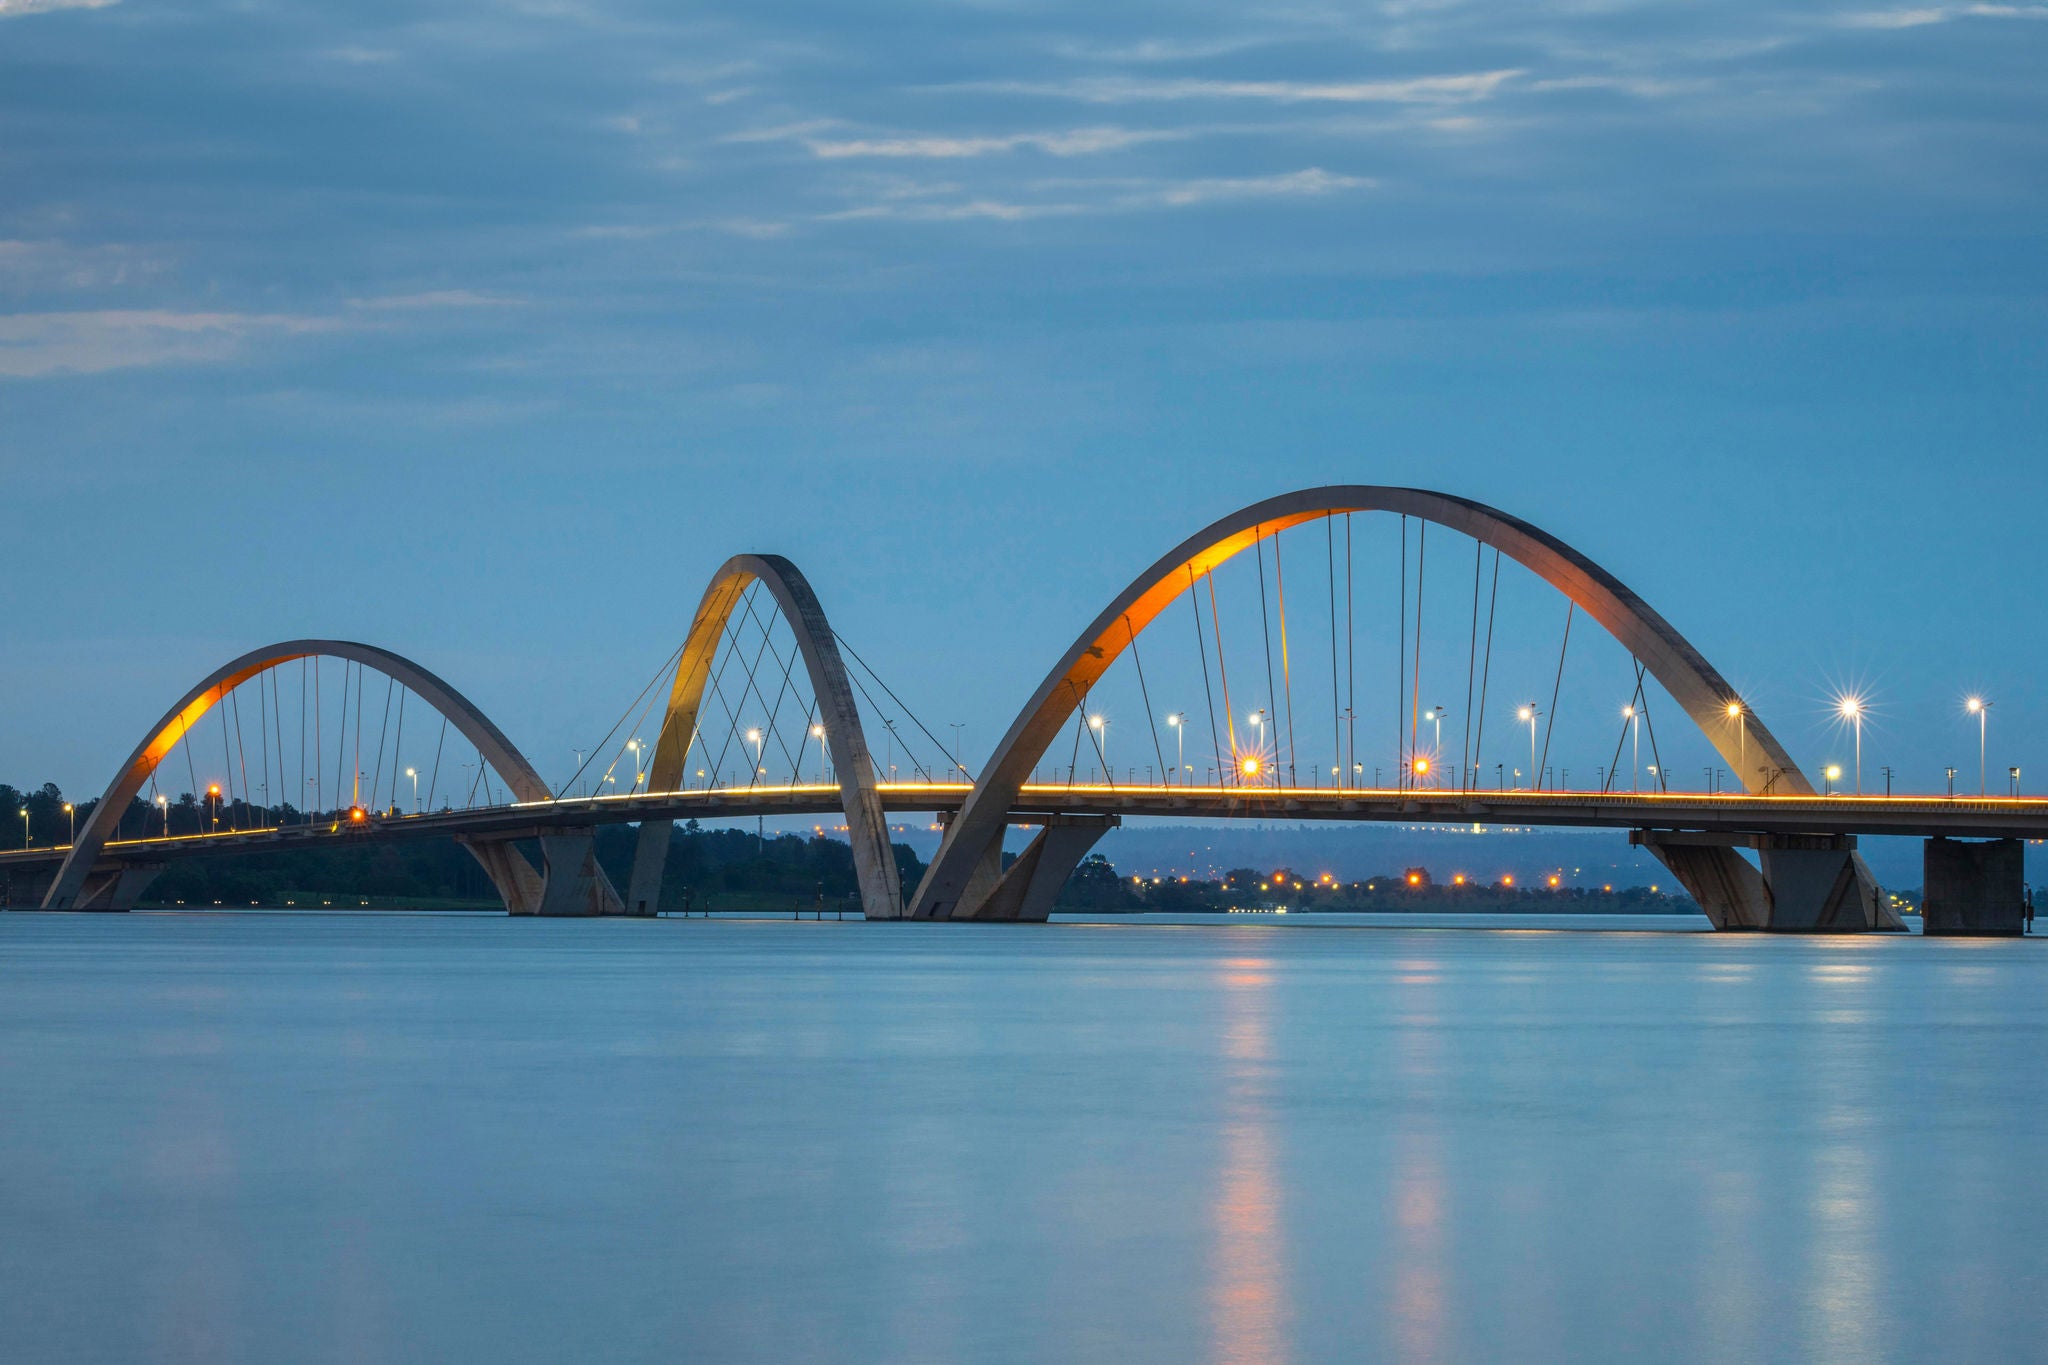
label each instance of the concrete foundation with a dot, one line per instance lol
(1807, 884)
(1026, 891)
(569, 883)
(1975, 889)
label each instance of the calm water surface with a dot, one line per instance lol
(403, 1138)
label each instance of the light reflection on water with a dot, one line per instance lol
(256, 1138)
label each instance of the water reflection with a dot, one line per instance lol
(1247, 1296)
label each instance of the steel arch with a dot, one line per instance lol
(961, 873)
(497, 750)
(867, 827)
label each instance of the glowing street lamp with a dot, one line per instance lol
(1528, 713)
(1852, 710)
(414, 774)
(1981, 709)
(213, 794)
(1833, 774)
(1737, 714)
(24, 827)
(754, 738)
(1180, 754)
(163, 803)
(639, 773)
(1628, 713)
(818, 733)
(74, 821)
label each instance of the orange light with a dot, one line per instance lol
(1458, 879)
(213, 790)
(1250, 766)
(1414, 879)
(357, 814)
(1553, 881)
(1508, 879)
(1421, 765)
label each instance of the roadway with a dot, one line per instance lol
(1912, 816)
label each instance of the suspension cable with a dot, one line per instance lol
(1471, 660)
(1222, 672)
(1202, 649)
(1415, 697)
(1336, 699)
(1485, 673)
(883, 683)
(1286, 665)
(1349, 763)
(1265, 623)
(1549, 725)
(434, 782)
(1145, 695)
(1401, 666)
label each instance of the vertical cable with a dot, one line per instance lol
(1286, 664)
(1336, 699)
(1222, 671)
(1350, 760)
(1485, 670)
(1415, 698)
(1401, 666)
(1145, 694)
(1551, 724)
(1266, 627)
(1202, 648)
(1471, 662)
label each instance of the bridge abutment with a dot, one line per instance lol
(1026, 890)
(1806, 884)
(569, 883)
(1976, 889)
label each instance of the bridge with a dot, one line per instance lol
(1771, 851)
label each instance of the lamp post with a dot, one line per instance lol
(414, 774)
(1528, 713)
(818, 733)
(24, 827)
(68, 810)
(1981, 709)
(163, 804)
(754, 738)
(1852, 710)
(213, 796)
(1635, 761)
(959, 729)
(1180, 748)
(1829, 776)
(1737, 714)
(1101, 729)
(639, 772)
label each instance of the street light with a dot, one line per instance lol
(1180, 755)
(1741, 719)
(1529, 714)
(1981, 709)
(163, 803)
(1832, 775)
(754, 738)
(74, 816)
(633, 747)
(414, 774)
(1852, 709)
(213, 794)
(1635, 762)
(818, 733)
(24, 827)
(1435, 715)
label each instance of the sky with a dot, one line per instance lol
(485, 332)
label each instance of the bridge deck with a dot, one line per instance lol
(1919, 816)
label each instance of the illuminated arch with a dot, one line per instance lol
(963, 871)
(498, 751)
(867, 828)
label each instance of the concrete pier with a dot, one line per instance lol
(1974, 888)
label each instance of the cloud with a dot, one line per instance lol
(38, 345)
(1477, 85)
(1131, 197)
(17, 9)
(1937, 14)
(57, 264)
(1076, 142)
(438, 298)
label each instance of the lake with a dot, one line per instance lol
(343, 1137)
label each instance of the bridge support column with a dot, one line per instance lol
(569, 882)
(1977, 889)
(118, 888)
(1026, 891)
(1809, 883)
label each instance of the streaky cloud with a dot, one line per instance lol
(1455, 89)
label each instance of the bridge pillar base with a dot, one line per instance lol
(1025, 893)
(118, 888)
(1808, 884)
(1975, 889)
(569, 884)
